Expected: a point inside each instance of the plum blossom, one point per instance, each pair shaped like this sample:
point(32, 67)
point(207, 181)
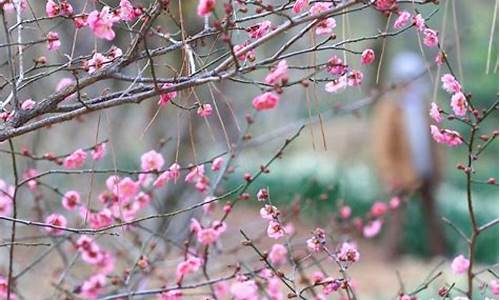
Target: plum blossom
point(348, 252)
point(435, 113)
point(419, 22)
point(394, 202)
point(53, 41)
point(204, 110)
point(127, 188)
point(51, 8)
point(221, 289)
point(6, 195)
point(27, 175)
point(244, 290)
point(378, 209)
point(28, 104)
point(345, 212)
point(336, 66)
point(56, 220)
point(459, 104)
point(262, 195)
point(278, 254)
point(205, 7)
point(127, 11)
point(92, 287)
point(101, 23)
point(269, 212)
point(90, 251)
point(71, 200)
point(325, 26)
point(217, 164)
point(299, 5)
point(330, 285)
point(98, 152)
point(431, 39)
point(190, 265)
point(266, 101)
point(355, 78)
point(75, 160)
point(372, 228)
point(63, 84)
point(460, 265)
point(166, 97)
point(260, 29)
point(279, 74)
point(450, 84)
point(367, 57)
point(385, 5)
point(248, 55)
point(275, 230)
point(446, 136)
point(317, 241)
point(195, 173)
point(402, 20)
point(494, 286)
point(152, 161)
point(207, 236)
point(171, 295)
point(97, 62)
point(319, 7)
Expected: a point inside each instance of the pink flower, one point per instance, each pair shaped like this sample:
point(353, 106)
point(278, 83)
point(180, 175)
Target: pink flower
point(166, 97)
point(205, 7)
point(6, 195)
point(53, 41)
point(336, 66)
point(92, 287)
point(348, 252)
point(262, 195)
point(367, 57)
point(260, 29)
point(27, 175)
point(56, 220)
point(221, 289)
point(171, 295)
point(336, 85)
point(114, 53)
point(378, 209)
point(345, 212)
point(90, 251)
point(460, 265)
point(127, 11)
point(248, 55)
point(394, 202)
point(244, 290)
point(278, 253)
point(101, 23)
point(402, 20)
point(190, 265)
point(319, 7)
point(435, 113)
point(63, 84)
point(299, 5)
point(459, 104)
point(127, 188)
point(419, 22)
point(372, 229)
point(385, 4)
point(431, 39)
point(325, 26)
point(274, 230)
point(439, 59)
point(204, 110)
point(99, 151)
point(450, 84)
point(265, 101)
point(269, 212)
point(217, 164)
point(51, 8)
point(279, 74)
point(97, 62)
point(71, 200)
point(331, 285)
point(175, 171)
point(162, 179)
point(494, 286)
point(355, 78)
point(405, 297)
point(66, 8)
point(195, 173)
point(28, 104)
point(152, 161)
point(446, 136)
point(75, 160)
point(317, 241)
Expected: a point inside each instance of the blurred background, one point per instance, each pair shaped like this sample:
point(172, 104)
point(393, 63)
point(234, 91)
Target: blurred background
point(332, 162)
